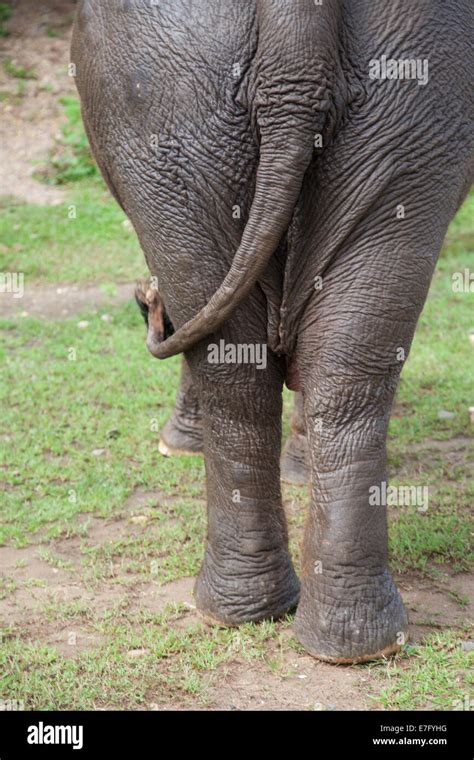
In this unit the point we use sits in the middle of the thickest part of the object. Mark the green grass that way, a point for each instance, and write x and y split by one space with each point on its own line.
50 247
58 412
444 536
72 160
174 665
17 71
52 32
436 675
5 15
439 373
154 553
421 540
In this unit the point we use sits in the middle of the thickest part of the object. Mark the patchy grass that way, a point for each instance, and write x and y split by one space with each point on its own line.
17 71
443 536
83 433
72 159
435 675
14 98
441 531
143 661
170 546
85 240
439 373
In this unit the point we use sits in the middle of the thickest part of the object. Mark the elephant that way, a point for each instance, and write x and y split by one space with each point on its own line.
182 433
290 168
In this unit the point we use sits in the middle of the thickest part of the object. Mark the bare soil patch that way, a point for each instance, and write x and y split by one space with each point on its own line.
31 115
62 301
433 606
306 685
55 604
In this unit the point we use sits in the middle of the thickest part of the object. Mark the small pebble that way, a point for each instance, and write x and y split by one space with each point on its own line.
83 324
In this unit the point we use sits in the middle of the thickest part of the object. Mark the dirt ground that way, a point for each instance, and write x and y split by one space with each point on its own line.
243 685
30 115
62 301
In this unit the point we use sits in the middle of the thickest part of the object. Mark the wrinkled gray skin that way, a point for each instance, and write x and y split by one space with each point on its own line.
230 136
183 431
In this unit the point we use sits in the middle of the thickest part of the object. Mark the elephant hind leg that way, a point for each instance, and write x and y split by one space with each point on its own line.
353 340
182 433
247 573
350 609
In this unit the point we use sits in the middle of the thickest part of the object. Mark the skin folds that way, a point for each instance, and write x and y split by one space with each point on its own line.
287 192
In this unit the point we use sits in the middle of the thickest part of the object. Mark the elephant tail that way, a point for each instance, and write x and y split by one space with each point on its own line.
295 64
278 185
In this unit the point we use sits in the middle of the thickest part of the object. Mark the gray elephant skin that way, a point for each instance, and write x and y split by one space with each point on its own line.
290 168
183 431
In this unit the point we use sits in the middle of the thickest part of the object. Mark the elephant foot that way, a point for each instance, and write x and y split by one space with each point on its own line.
294 465
229 601
347 626
181 435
